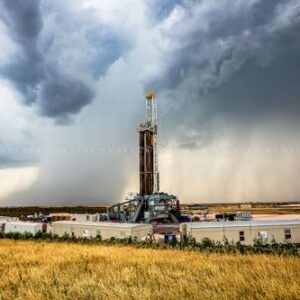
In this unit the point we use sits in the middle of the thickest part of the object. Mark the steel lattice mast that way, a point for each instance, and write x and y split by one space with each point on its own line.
151 116
149 176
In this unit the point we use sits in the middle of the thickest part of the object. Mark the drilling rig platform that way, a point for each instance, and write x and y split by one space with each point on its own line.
149 205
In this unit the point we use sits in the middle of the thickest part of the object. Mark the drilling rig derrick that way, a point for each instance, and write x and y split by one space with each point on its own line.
149 205
149 176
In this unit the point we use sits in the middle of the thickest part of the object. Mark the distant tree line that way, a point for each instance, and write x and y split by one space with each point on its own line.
22 211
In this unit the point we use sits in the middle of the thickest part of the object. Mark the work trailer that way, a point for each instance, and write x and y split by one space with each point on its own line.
244 232
23 227
105 230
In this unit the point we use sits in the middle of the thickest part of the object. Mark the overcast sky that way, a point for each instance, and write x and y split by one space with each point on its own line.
72 79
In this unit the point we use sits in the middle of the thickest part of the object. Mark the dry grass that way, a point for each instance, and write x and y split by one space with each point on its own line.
40 270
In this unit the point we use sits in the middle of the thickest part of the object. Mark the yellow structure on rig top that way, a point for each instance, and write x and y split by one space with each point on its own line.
150 95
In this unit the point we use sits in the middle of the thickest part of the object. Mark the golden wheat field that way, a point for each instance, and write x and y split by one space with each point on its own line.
41 270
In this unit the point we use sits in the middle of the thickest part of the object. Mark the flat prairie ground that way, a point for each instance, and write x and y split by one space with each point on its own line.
41 270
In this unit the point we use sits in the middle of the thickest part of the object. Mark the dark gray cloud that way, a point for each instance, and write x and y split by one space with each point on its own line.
60 54
210 41
224 71
232 60
23 18
62 95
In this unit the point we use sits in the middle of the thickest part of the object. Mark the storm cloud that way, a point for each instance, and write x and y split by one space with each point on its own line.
207 42
226 74
234 61
59 55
